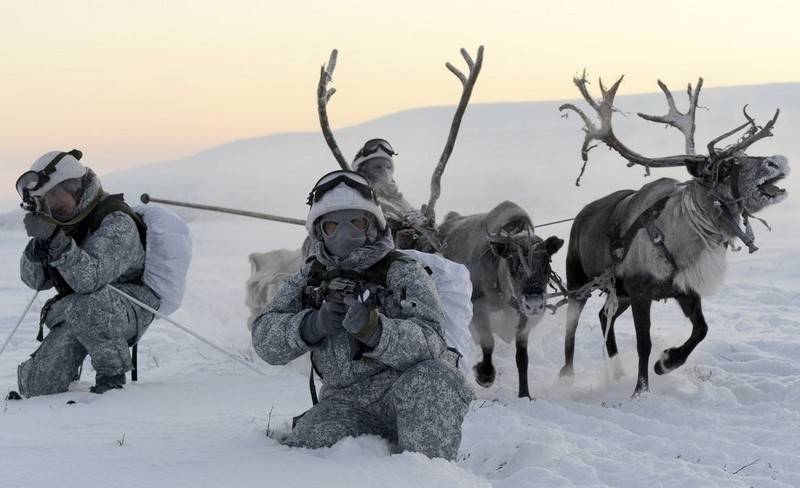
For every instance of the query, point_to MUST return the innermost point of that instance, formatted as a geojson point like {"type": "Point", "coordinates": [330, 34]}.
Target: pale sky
{"type": "Point", "coordinates": [136, 82]}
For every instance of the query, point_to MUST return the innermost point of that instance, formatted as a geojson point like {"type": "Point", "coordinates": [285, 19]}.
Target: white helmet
{"type": "Point", "coordinates": [374, 148]}
{"type": "Point", "coordinates": [342, 190]}
{"type": "Point", "coordinates": [48, 171]}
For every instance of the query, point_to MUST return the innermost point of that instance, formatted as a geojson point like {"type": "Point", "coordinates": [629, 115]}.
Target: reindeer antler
{"type": "Point", "coordinates": [684, 122]}
{"type": "Point", "coordinates": [324, 94]}
{"type": "Point", "coordinates": [753, 134]}
{"type": "Point", "coordinates": [605, 133]}
{"type": "Point", "coordinates": [467, 83]}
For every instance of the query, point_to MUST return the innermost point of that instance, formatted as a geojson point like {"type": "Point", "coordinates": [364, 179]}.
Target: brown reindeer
{"type": "Point", "coordinates": [668, 239]}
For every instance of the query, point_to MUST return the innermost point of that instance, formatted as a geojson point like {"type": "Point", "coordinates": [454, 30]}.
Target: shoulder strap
{"type": "Point", "coordinates": [379, 271]}
{"type": "Point", "coordinates": [621, 243]}
{"type": "Point", "coordinates": [116, 203]}
{"type": "Point", "coordinates": [317, 274]}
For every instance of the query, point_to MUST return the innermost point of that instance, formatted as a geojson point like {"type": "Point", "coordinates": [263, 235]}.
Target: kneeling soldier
{"type": "Point", "coordinates": [371, 319]}
{"type": "Point", "coordinates": [82, 240]}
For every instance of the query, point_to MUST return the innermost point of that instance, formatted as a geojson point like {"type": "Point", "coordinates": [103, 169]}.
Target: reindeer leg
{"type": "Point", "coordinates": [522, 356]}
{"type": "Point", "coordinates": [574, 309]}
{"type": "Point", "coordinates": [610, 338]}
{"type": "Point", "coordinates": [641, 319]}
{"type": "Point", "coordinates": [484, 370]}
{"type": "Point", "coordinates": [674, 357]}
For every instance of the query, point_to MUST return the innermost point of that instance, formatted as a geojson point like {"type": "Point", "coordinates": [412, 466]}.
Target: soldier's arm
{"type": "Point", "coordinates": [276, 332]}
{"type": "Point", "coordinates": [106, 254]}
{"type": "Point", "coordinates": [32, 268]}
{"type": "Point", "coordinates": [416, 334]}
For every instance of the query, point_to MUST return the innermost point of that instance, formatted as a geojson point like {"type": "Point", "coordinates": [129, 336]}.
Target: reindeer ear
{"type": "Point", "coordinates": [696, 168]}
{"type": "Point", "coordinates": [553, 244]}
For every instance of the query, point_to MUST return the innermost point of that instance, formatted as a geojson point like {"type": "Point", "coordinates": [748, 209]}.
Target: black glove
{"type": "Point", "coordinates": [362, 322]}
{"type": "Point", "coordinates": [38, 227]}
{"type": "Point", "coordinates": [323, 322]}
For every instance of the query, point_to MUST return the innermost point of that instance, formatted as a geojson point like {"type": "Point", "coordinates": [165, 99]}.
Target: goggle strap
{"type": "Point", "coordinates": [43, 176]}
{"type": "Point", "coordinates": [323, 188]}
{"type": "Point", "coordinates": [51, 166]}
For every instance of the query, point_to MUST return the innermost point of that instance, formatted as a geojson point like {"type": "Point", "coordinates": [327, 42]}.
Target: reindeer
{"type": "Point", "coordinates": [669, 239]}
{"type": "Point", "coordinates": [509, 268]}
{"type": "Point", "coordinates": [412, 228]}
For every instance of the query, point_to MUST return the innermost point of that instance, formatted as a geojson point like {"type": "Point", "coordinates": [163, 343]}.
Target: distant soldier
{"type": "Point", "coordinates": [372, 320]}
{"type": "Point", "coordinates": [410, 228]}
{"type": "Point", "coordinates": [82, 239]}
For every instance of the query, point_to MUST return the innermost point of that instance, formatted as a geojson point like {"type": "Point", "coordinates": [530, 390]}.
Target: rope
{"type": "Point", "coordinates": [19, 322]}
{"type": "Point", "coordinates": [554, 222]}
{"type": "Point", "coordinates": [187, 330]}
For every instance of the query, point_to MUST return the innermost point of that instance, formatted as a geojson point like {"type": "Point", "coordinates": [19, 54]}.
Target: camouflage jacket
{"type": "Point", "coordinates": [112, 254]}
{"type": "Point", "coordinates": [408, 336]}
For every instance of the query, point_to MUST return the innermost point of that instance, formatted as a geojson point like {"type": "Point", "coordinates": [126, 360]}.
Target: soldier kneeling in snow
{"type": "Point", "coordinates": [82, 240]}
{"type": "Point", "coordinates": [372, 321]}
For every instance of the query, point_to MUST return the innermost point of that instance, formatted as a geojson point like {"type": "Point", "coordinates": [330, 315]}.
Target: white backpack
{"type": "Point", "coordinates": [168, 255]}
{"type": "Point", "coordinates": [455, 292]}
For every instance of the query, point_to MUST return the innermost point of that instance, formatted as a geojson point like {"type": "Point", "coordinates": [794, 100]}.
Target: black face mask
{"type": "Point", "coordinates": [378, 171]}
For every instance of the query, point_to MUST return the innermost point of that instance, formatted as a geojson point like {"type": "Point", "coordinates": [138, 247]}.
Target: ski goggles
{"type": "Point", "coordinates": [334, 179]}
{"type": "Point", "coordinates": [359, 224]}
{"type": "Point", "coordinates": [374, 145]}
{"type": "Point", "coordinates": [30, 181]}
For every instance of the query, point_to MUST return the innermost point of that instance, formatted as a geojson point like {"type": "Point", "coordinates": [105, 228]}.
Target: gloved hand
{"type": "Point", "coordinates": [38, 227]}
{"type": "Point", "coordinates": [362, 322]}
{"type": "Point", "coordinates": [323, 322]}
{"type": "Point", "coordinates": [59, 243]}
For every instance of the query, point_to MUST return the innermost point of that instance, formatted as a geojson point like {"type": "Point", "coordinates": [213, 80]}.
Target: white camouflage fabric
{"type": "Point", "coordinates": [402, 389]}
{"type": "Point", "coordinates": [92, 320]}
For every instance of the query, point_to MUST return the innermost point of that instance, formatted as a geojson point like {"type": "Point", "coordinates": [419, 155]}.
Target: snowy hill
{"type": "Point", "coordinates": [523, 150]}
{"type": "Point", "coordinates": [729, 417]}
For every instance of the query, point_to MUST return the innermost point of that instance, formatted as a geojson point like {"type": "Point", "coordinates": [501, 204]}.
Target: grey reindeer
{"type": "Point", "coordinates": [509, 267]}
{"type": "Point", "coordinates": [669, 239]}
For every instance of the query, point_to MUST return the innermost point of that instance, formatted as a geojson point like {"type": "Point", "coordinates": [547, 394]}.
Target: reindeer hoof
{"type": "Point", "coordinates": [666, 363]}
{"type": "Point", "coordinates": [484, 375]}
{"type": "Point", "coordinates": [641, 387]}
{"type": "Point", "coordinates": [566, 372]}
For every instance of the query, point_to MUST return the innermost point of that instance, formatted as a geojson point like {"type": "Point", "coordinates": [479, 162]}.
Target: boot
{"type": "Point", "coordinates": [13, 395]}
{"type": "Point", "coordinates": [104, 383]}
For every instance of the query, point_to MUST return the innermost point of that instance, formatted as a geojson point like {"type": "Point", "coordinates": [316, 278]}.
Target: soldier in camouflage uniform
{"type": "Point", "coordinates": [383, 367]}
{"type": "Point", "coordinates": [82, 240]}
{"type": "Point", "coordinates": [410, 228]}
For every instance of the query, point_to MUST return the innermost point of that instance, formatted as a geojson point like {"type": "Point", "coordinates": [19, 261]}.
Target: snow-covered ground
{"type": "Point", "coordinates": [198, 419]}
{"type": "Point", "coordinates": [729, 417]}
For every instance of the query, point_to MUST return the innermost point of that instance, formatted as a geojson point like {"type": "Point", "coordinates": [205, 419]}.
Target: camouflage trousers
{"type": "Point", "coordinates": [421, 411]}
{"type": "Point", "coordinates": [100, 324]}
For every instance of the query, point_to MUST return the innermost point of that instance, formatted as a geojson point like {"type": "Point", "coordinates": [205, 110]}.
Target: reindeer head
{"type": "Point", "coordinates": [743, 184]}
{"type": "Point", "coordinates": [528, 259]}
{"type": "Point", "coordinates": [749, 181]}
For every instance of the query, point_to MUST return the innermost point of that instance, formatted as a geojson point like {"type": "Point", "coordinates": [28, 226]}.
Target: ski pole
{"type": "Point", "coordinates": [145, 198]}
{"type": "Point", "coordinates": [185, 329]}
{"type": "Point", "coordinates": [19, 322]}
